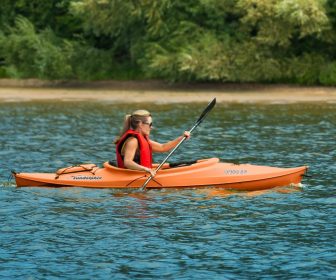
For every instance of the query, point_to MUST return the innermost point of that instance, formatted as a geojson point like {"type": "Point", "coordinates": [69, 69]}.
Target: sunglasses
{"type": "Point", "coordinates": [149, 124]}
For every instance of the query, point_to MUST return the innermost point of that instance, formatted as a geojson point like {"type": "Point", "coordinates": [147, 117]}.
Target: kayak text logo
{"type": "Point", "coordinates": [90, 178]}
{"type": "Point", "coordinates": [235, 171]}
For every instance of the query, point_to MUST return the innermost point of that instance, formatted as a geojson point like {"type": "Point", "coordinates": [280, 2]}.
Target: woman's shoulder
{"type": "Point", "coordinates": [131, 141]}
{"type": "Point", "coordinates": [129, 144]}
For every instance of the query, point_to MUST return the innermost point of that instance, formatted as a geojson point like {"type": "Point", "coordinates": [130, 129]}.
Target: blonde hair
{"type": "Point", "coordinates": [132, 121]}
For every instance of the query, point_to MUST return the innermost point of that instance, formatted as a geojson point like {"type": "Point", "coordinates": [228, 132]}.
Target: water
{"type": "Point", "coordinates": [286, 233]}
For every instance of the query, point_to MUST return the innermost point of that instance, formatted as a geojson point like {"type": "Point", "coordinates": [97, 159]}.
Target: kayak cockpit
{"type": "Point", "coordinates": [182, 166]}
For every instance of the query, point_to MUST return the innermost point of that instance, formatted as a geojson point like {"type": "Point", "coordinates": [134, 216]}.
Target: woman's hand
{"type": "Point", "coordinates": [151, 171]}
{"type": "Point", "coordinates": [186, 134]}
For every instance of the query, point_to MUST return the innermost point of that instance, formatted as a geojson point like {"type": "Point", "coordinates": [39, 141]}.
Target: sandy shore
{"type": "Point", "coordinates": [159, 92]}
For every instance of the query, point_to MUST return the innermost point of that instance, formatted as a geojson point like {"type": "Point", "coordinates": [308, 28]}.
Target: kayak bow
{"type": "Point", "coordinates": [200, 174]}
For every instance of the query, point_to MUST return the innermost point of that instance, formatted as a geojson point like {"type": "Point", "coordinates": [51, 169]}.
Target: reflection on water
{"type": "Point", "coordinates": [214, 192]}
{"type": "Point", "coordinates": [77, 233]}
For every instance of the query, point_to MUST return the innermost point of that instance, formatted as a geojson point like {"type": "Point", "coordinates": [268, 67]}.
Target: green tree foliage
{"type": "Point", "coordinates": [29, 53]}
{"type": "Point", "coordinates": [277, 22]}
{"type": "Point", "coordinates": [44, 55]}
{"type": "Point", "coordinates": [192, 40]}
{"type": "Point", "coordinates": [54, 14]}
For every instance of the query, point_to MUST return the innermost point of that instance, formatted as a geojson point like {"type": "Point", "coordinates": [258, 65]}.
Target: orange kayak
{"type": "Point", "coordinates": [202, 173]}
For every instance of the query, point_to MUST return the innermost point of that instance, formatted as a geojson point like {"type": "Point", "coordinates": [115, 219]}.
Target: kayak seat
{"type": "Point", "coordinates": [113, 163]}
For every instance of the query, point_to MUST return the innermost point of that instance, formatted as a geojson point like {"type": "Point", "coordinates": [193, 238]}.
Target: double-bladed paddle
{"type": "Point", "coordinates": [200, 119]}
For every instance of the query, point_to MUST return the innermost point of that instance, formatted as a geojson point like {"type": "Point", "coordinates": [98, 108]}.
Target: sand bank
{"type": "Point", "coordinates": [159, 92]}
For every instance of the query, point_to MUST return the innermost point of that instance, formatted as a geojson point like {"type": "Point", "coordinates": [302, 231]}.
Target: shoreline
{"type": "Point", "coordinates": [160, 92]}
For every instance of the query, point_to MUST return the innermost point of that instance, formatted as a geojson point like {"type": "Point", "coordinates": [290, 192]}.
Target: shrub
{"type": "Point", "coordinates": [328, 74]}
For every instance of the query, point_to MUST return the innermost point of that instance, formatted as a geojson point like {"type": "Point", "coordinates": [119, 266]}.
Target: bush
{"type": "Point", "coordinates": [328, 74]}
{"type": "Point", "coordinates": [30, 54]}
{"type": "Point", "coordinates": [305, 69]}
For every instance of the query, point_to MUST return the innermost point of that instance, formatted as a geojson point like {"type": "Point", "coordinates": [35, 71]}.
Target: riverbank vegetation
{"type": "Point", "coordinates": [274, 41]}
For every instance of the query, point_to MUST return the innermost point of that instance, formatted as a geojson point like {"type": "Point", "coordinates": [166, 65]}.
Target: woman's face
{"type": "Point", "coordinates": [146, 126]}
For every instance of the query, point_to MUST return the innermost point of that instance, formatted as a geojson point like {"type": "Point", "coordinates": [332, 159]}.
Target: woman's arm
{"type": "Point", "coordinates": [130, 148]}
{"type": "Point", "coordinates": [162, 148]}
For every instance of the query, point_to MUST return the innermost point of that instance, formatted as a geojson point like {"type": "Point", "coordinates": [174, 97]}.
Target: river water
{"type": "Point", "coordinates": [75, 233]}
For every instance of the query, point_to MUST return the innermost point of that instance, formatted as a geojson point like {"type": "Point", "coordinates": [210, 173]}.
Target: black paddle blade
{"type": "Point", "coordinates": [206, 110]}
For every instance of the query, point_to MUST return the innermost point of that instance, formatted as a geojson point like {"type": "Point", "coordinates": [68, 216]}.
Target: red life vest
{"type": "Point", "coordinates": [144, 147]}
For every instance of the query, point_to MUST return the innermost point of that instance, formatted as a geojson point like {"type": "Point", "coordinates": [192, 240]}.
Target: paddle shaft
{"type": "Point", "coordinates": [209, 107]}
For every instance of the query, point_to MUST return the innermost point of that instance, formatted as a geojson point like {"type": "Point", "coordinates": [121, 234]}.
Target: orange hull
{"type": "Point", "coordinates": [204, 173]}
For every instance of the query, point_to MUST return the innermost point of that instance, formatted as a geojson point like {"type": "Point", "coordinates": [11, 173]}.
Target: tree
{"type": "Point", "coordinates": [191, 40]}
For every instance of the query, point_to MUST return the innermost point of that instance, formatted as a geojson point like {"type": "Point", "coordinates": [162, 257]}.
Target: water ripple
{"type": "Point", "coordinates": [285, 233]}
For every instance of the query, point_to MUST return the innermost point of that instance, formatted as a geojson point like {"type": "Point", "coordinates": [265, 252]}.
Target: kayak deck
{"type": "Point", "coordinates": [203, 173]}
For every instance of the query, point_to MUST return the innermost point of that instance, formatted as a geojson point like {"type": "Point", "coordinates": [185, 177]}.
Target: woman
{"type": "Point", "coordinates": [134, 148]}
